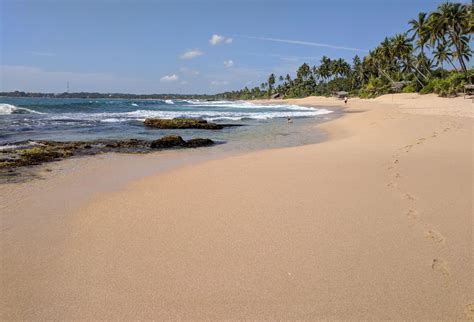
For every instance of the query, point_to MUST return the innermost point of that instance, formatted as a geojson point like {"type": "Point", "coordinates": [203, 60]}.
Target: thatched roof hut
{"type": "Point", "coordinates": [398, 86]}
{"type": "Point", "coordinates": [341, 94]}
{"type": "Point", "coordinates": [468, 90]}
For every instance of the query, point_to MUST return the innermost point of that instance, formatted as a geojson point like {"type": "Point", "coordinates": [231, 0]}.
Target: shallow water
{"type": "Point", "coordinates": [83, 119]}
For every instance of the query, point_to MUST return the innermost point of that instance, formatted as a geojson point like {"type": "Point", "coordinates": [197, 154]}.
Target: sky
{"type": "Point", "coordinates": [184, 47]}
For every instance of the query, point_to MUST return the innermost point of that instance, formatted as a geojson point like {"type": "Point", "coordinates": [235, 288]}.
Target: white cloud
{"type": "Point", "coordinates": [228, 63]}
{"type": "Point", "coordinates": [183, 83]}
{"type": "Point", "coordinates": [40, 53]}
{"type": "Point", "coordinates": [219, 83]}
{"type": "Point", "coordinates": [192, 53]}
{"type": "Point", "coordinates": [169, 78]}
{"type": "Point", "coordinates": [306, 43]}
{"type": "Point", "coordinates": [217, 39]}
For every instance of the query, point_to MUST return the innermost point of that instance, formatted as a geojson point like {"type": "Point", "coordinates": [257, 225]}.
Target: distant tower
{"type": "Point", "coordinates": [68, 87]}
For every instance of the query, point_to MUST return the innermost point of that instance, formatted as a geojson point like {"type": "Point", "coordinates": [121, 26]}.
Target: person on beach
{"type": "Point", "coordinates": [290, 120]}
{"type": "Point", "coordinates": [345, 99]}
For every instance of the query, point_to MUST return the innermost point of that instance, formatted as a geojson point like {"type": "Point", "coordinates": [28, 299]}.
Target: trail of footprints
{"type": "Point", "coordinates": [412, 215]}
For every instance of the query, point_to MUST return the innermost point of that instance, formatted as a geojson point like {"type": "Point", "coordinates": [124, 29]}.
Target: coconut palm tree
{"type": "Point", "coordinates": [452, 22]}
{"type": "Point", "coordinates": [384, 54]}
{"type": "Point", "coordinates": [303, 72]}
{"type": "Point", "coordinates": [401, 47]}
{"type": "Point", "coordinates": [325, 68]}
{"type": "Point", "coordinates": [442, 54]}
{"type": "Point", "coordinates": [420, 31]}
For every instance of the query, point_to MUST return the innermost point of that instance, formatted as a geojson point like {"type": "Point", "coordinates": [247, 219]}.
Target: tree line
{"type": "Point", "coordinates": [431, 56]}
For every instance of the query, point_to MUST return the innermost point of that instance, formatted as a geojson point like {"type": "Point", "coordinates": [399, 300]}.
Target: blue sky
{"type": "Point", "coordinates": [146, 46]}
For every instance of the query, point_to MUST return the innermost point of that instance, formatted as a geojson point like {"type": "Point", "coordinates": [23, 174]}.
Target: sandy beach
{"type": "Point", "coordinates": [374, 223]}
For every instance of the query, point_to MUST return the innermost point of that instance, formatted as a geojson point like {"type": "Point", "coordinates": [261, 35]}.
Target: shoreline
{"type": "Point", "coordinates": [336, 243]}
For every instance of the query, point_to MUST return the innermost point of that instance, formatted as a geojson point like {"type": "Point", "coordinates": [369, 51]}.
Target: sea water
{"type": "Point", "coordinates": [263, 126]}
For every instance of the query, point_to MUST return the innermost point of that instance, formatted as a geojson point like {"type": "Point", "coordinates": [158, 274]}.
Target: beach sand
{"type": "Point", "coordinates": [374, 223]}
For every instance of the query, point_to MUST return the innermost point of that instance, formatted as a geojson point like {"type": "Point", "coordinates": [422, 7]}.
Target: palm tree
{"type": "Point", "coordinates": [442, 54]}
{"type": "Point", "coordinates": [340, 67]}
{"type": "Point", "coordinates": [452, 21]}
{"type": "Point", "coordinates": [303, 72]}
{"type": "Point", "coordinates": [325, 68]}
{"type": "Point", "coordinates": [420, 31]}
{"type": "Point", "coordinates": [358, 71]}
{"type": "Point", "coordinates": [401, 47]}
{"type": "Point", "coordinates": [271, 82]}
{"type": "Point", "coordinates": [383, 55]}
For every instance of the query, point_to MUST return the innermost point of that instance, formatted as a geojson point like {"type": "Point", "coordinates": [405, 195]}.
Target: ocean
{"type": "Point", "coordinates": [84, 119]}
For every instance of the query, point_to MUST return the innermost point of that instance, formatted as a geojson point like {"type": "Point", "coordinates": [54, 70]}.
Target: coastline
{"type": "Point", "coordinates": [357, 226]}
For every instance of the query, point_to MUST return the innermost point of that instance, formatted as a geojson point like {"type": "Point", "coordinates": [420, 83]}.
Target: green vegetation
{"type": "Point", "coordinates": [417, 58]}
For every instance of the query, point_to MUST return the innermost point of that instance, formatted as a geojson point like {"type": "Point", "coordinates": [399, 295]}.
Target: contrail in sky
{"type": "Point", "coordinates": [304, 43]}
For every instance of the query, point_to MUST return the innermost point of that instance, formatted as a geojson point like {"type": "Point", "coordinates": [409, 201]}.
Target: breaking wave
{"type": "Point", "coordinates": [6, 109]}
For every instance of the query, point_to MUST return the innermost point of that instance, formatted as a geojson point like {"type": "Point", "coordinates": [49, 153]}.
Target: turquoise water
{"type": "Point", "coordinates": [83, 119]}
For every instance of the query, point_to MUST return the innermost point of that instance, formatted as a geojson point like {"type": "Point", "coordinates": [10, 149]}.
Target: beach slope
{"type": "Point", "coordinates": [375, 223]}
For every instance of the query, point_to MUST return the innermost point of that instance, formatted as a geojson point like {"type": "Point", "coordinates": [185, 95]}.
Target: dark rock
{"type": "Point", "coordinates": [182, 123]}
{"type": "Point", "coordinates": [169, 141]}
{"type": "Point", "coordinates": [198, 142]}
{"type": "Point", "coordinates": [29, 153]}
{"type": "Point", "coordinates": [131, 143]}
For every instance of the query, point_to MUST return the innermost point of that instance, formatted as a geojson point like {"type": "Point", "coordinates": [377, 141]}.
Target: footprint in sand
{"type": "Point", "coordinates": [446, 129]}
{"type": "Point", "coordinates": [396, 161]}
{"type": "Point", "coordinates": [469, 311]}
{"type": "Point", "coordinates": [408, 148]}
{"type": "Point", "coordinates": [435, 134]}
{"type": "Point", "coordinates": [435, 236]}
{"type": "Point", "coordinates": [409, 197]}
{"type": "Point", "coordinates": [412, 214]}
{"type": "Point", "coordinates": [397, 175]}
{"type": "Point", "coordinates": [440, 266]}
{"type": "Point", "coordinates": [392, 185]}
{"type": "Point", "coordinates": [421, 141]}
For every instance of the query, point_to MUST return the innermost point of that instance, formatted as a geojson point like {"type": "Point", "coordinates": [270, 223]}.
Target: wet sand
{"type": "Point", "coordinates": [375, 223]}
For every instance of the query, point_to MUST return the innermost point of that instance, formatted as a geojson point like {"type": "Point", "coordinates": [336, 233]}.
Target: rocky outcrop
{"type": "Point", "coordinates": [172, 141]}
{"type": "Point", "coordinates": [167, 142]}
{"type": "Point", "coordinates": [182, 123]}
{"type": "Point", "coordinates": [196, 143]}
{"type": "Point", "coordinates": [28, 153]}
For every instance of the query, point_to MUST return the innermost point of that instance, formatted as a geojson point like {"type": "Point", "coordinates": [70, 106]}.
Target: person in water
{"type": "Point", "coordinates": [290, 120]}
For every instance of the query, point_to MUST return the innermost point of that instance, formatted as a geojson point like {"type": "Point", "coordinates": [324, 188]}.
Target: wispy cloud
{"type": "Point", "coordinates": [169, 78]}
{"type": "Point", "coordinates": [192, 53]}
{"type": "Point", "coordinates": [228, 63]}
{"type": "Point", "coordinates": [219, 83]}
{"type": "Point", "coordinates": [40, 53]}
{"type": "Point", "coordinates": [304, 43]}
{"type": "Point", "coordinates": [287, 58]}
{"type": "Point", "coordinates": [217, 39]}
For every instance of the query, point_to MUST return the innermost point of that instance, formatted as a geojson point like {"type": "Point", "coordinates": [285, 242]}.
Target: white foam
{"type": "Point", "coordinates": [6, 109]}
{"type": "Point", "coordinates": [169, 102]}
{"type": "Point", "coordinates": [134, 104]}
{"type": "Point", "coordinates": [244, 104]}
{"type": "Point", "coordinates": [8, 147]}
{"type": "Point", "coordinates": [140, 115]}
